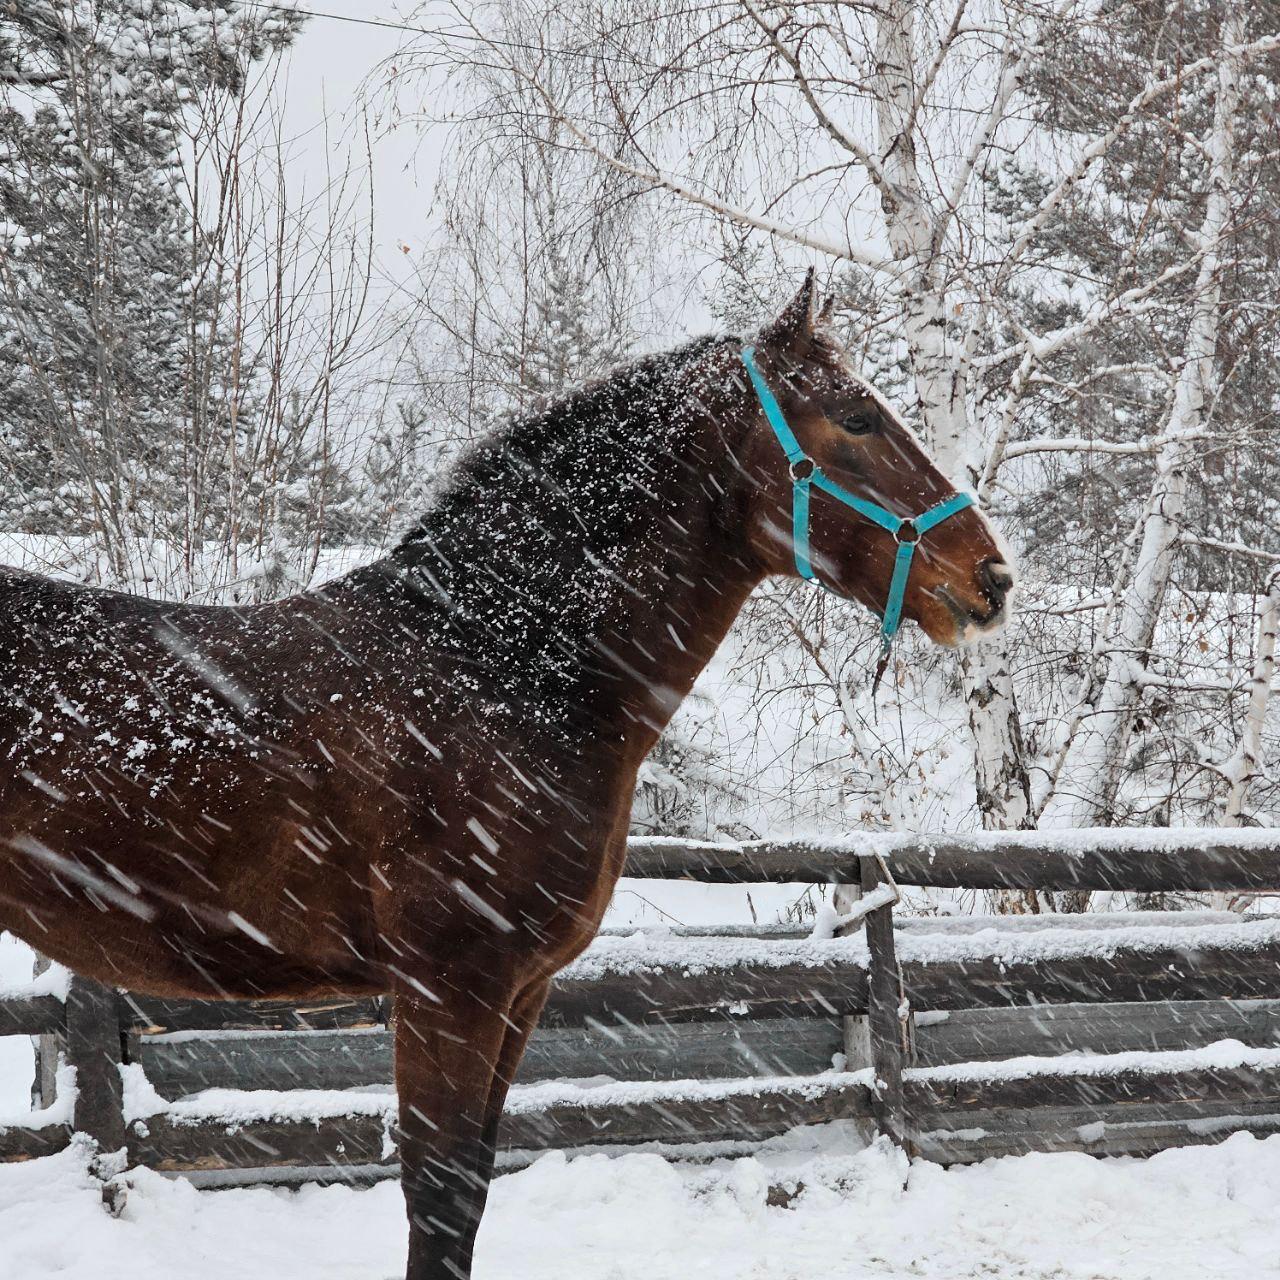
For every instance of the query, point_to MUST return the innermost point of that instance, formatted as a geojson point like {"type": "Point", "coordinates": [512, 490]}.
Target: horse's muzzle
{"type": "Point", "coordinates": [995, 578]}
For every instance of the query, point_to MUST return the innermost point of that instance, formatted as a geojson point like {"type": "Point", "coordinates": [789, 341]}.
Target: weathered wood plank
{"type": "Point", "coordinates": [742, 1116]}
{"type": "Point", "coordinates": [32, 1144]}
{"type": "Point", "coordinates": [94, 1049]}
{"type": "Point", "coordinates": [1075, 1086]}
{"type": "Point", "coordinates": [762, 1113]}
{"type": "Point", "coordinates": [1150, 860]}
{"type": "Point", "coordinates": [1087, 921]}
{"type": "Point", "coordinates": [1210, 1115]}
{"type": "Point", "coordinates": [693, 1051]}
{"type": "Point", "coordinates": [139, 1012]}
{"type": "Point", "coordinates": [981, 1035]}
{"type": "Point", "coordinates": [162, 1144]}
{"type": "Point", "coordinates": [1126, 974]}
{"type": "Point", "coordinates": [663, 995]}
{"type": "Point", "coordinates": [884, 1011]}
{"type": "Point", "coordinates": [1135, 1130]}
{"type": "Point", "coordinates": [1094, 921]}
{"type": "Point", "coordinates": [188, 1062]}
{"type": "Point", "coordinates": [745, 990]}
{"type": "Point", "coordinates": [30, 1015]}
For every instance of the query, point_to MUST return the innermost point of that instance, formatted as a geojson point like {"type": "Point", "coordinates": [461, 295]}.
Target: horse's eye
{"type": "Point", "coordinates": [858, 424]}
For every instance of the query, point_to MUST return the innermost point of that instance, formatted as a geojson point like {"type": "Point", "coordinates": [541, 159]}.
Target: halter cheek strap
{"type": "Point", "coordinates": [806, 476]}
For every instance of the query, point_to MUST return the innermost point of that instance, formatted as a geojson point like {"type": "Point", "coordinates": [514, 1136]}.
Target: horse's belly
{"type": "Point", "coordinates": [168, 957]}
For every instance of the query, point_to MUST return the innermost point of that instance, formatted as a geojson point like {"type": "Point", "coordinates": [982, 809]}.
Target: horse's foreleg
{"type": "Point", "coordinates": [521, 1020]}
{"type": "Point", "coordinates": [446, 1057]}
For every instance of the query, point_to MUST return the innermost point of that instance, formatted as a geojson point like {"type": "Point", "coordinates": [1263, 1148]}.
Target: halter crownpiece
{"type": "Point", "coordinates": [806, 475]}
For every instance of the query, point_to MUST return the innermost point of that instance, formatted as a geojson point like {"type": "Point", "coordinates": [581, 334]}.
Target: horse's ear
{"type": "Point", "coordinates": [793, 329]}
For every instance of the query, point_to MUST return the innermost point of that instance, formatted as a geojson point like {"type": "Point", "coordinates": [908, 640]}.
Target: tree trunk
{"type": "Point", "coordinates": [1245, 765]}
{"type": "Point", "coordinates": [1092, 765]}
{"type": "Point", "coordinates": [999, 759]}
{"type": "Point", "coordinates": [940, 371]}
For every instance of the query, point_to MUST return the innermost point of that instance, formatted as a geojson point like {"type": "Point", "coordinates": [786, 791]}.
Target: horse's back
{"type": "Point", "coordinates": [162, 761]}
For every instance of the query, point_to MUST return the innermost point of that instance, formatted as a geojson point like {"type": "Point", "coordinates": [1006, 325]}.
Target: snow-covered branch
{"type": "Point", "coordinates": [1234, 55]}
{"type": "Point", "coordinates": [1231, 548]}
{"type": "Point", "coordinates": [1082, 444]}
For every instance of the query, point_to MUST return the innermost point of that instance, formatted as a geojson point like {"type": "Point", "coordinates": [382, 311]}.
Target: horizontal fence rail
{"type": "Point", "coordinates": [727, 1035]}
{"type": "Point", "coordinates": [720, 1112]}
{"type": "Point", "coordinates": [664, 980]}
{"type": "Point", "coordinates": [30, 1015]}
{"type": "Point", "coordinates": [1150, 860]}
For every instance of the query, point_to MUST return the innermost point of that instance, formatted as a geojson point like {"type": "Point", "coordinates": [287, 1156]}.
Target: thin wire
{"type": "Point", "coordinates": [447, 33]}
{"type": "Point", "coordinates": [487, 41]}
{"type": "Point", "coordinates": [343, 17]}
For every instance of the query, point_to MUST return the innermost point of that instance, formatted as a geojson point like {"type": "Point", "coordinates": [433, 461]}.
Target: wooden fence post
{"type": "Point", "coordinates": [855, 1031]}
{"type": "Point", "coordinates": [93, 1048]}
{"type": "Point", "coordinates": [885, 1021]}
{"type": "Point", "coordinates": [49, 1048]}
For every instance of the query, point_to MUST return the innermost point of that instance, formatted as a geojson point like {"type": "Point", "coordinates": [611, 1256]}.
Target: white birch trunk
{"type": "Point", "coordinates": [912, 227]}
{"type": "Point", "coordinates": [1247, 760]}
{"type": "Point", "coordinates": [941, 374]}
{"type": "Point", "coordinates": [1091, 768]}
{"type": "Point", "coordinates": [1246, 763]}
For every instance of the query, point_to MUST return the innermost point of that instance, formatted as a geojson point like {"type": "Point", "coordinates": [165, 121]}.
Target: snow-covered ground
{"type": "Point", "coordinates": [1182, 1215]}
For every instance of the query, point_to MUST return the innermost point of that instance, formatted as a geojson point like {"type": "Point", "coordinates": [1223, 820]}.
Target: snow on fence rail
{"type": "Point", "coordinates": [686, 1011]}
{"type": "Point", "coordinates": [1148, 860]}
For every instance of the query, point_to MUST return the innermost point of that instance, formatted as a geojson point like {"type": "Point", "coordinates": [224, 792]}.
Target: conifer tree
{"type": "Point", "coordinates": [113, 396]}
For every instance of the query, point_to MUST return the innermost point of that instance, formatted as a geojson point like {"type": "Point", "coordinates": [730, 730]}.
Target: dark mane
{"type": "Point", "coordinates": [523, 441]}
{"type": "Point", "coordinates": [550, 529]}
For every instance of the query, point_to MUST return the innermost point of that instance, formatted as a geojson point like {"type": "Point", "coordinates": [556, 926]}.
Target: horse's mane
{"type": "Point", "coordinates": [596, 410]}
{"type": "Point", "coordinates": [546, 529]}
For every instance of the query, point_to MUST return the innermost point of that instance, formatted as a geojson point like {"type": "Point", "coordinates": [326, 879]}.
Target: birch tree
{"type": "Point", "coordinates": [1090, 769]}
{"type": "Point", "coordinates": [1244, 766]}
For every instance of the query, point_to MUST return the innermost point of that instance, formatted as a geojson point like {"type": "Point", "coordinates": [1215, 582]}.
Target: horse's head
{"type": "Point", "coordinates": [846, 439]}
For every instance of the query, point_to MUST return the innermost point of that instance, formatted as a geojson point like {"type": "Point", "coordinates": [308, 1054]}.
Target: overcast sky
{"type": "Point", "coordinates": [337, 72]}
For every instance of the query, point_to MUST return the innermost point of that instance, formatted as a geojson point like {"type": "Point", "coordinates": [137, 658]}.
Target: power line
{"type": "Point", "coordinates": [490, 41]}
{"type": "Point", "coordinates": [343, 17]}
{"type": "Point", "coordinates": [442, 32]}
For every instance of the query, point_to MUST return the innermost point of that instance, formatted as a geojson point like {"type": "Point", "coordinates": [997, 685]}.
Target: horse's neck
{"type": "Point", "coordinates": [670, 633]}
{"type": "Point", "coordinates": [601, 594]}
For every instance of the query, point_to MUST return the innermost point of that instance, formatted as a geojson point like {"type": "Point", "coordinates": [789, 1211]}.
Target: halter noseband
{"type": "Point", "coordinates": [806, 474]}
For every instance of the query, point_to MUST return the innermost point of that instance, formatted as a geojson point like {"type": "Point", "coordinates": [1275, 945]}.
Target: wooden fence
{"type": "Point", "coordinates": [959, 1037]}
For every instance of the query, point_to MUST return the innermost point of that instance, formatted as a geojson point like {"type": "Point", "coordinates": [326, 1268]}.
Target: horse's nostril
{"type": "Point", "coordinates": [996, 578]}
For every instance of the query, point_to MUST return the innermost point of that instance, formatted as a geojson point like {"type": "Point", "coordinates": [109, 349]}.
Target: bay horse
{"type": "Point", "coordinates": [417, 778]}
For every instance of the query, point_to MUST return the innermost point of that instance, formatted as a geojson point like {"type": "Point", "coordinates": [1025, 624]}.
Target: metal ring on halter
{"type": "Point", "coordinates": [907, 533]}
{"type": "Point", "coordinates": [803, 469]}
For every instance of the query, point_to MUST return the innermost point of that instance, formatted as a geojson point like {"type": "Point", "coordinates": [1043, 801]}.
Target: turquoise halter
{"type": "Point", "coordinates": [806, 475]}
